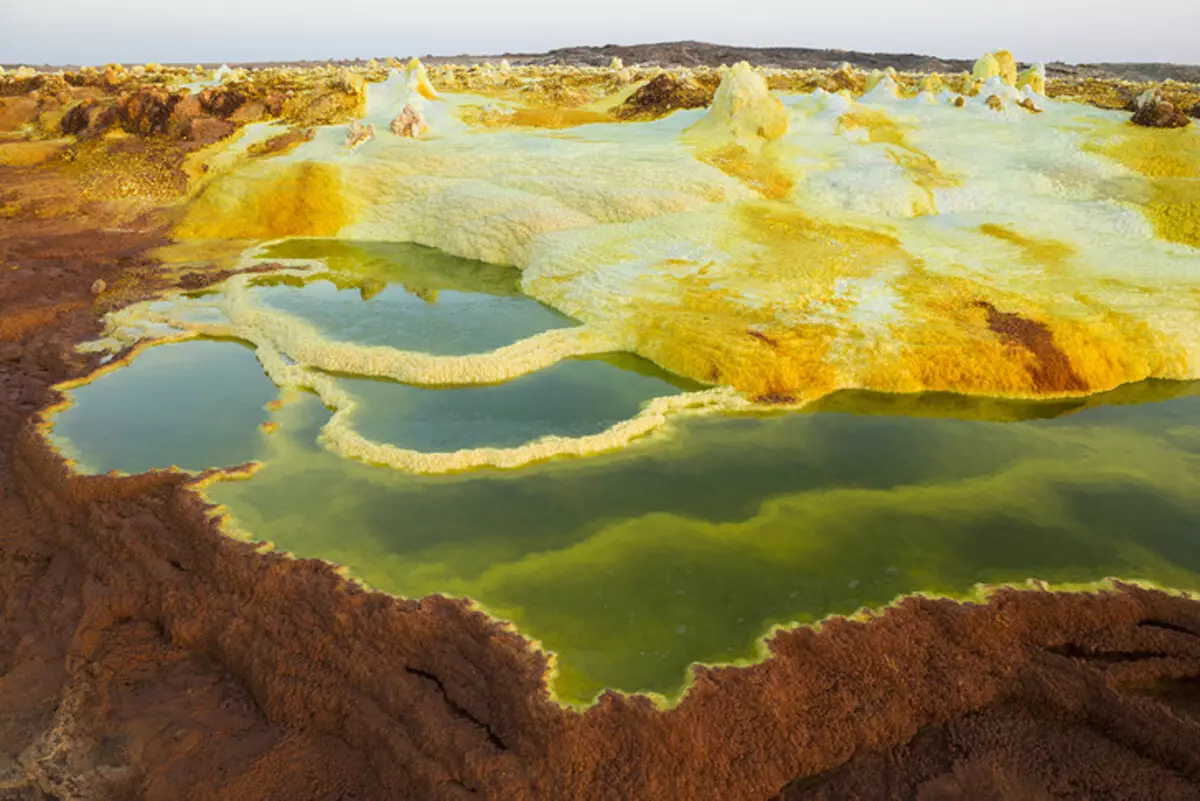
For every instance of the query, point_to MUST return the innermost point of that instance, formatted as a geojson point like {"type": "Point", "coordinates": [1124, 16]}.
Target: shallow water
{"type": "Point", "coordinates": [573, 398]}
{"type": "Point", "coordinates": [688, 545]}
{"type": "Point", "coordinates": [193, 406]}
{"type": "Point", "coordinates": [408, 297]}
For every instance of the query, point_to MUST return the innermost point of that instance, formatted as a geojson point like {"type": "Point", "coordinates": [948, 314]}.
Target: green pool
{"type": "Point", "coordinates": [687, 546]}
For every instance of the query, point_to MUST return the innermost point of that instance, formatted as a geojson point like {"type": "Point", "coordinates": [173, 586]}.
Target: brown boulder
{"type": "Point", "coordinates": [187, 109]}
{"type": "Point", "coordinates": [148, 111]}
{"type": "Point", "coordinates": [16, 112]}
{"type": "Point", "coordinates": [282, 143]}
{"type": "Point", "coordinates": [88, 118]}
{"type": "Point", "coordinates": [275, 101]}
{"type": "Point", "coordinates": [252, 111]}
{"type": "Point", "coordinates": [1152, 111]}
{"type": "Point", "coordinates": [206, 130]}
{"type": "Point", "coordinates": [221, 102]}
{"type": "Point", "coordinates": [663, 94]}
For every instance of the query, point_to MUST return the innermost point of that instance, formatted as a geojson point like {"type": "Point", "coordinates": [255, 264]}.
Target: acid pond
{"type": "Point", "coordinates": [686, 546]}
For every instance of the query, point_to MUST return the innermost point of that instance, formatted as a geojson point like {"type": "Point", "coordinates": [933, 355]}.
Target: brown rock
{"type": "Point", "coordinates": [252, 111]}
{"type": "Point", "coordinates": [98, 286]}
{"type": "Point", "coordinates": [409, 123]}
{"type": "Point", "coordinates": [88, 119]}
{"type": "Point", "coordinates": [16, 112]}
{"type": "Point", "coordinates": [205, 129]}
{"type": "Point", "coordinates": [662, 95]}
{"type": "Point", "coordinates": [282, 143]}
{"type": "Point", "coordinates": [1155, 112]}
{"type": "Point", "coordinates": [113, 77]}
{"type": "Point", "coordinates": [221, 102]}
{"type": "Point", "coordinates": [274, 102]}
{"type": "Point", "coordinates": [994, 103]}
{"type": "Point", "coordinates": [148, 111]}
{"type": "Point", "coordinates": [188, 108]}
{"type": "Point", "coordinates": [844, 77]}
{"type": "Point", "coordinates": [1028, 105]}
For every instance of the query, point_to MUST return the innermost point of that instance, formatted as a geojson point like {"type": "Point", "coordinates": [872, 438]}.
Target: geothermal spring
{"type": "Point", "coordinates": [649, 388]}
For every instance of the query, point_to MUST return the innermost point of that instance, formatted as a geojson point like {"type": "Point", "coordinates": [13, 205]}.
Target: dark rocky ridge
{"type": "Point", "coordinates": [695, 54]}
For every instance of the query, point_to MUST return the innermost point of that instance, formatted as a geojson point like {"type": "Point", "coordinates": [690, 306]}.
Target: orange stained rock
{"type": "Point", "coordinates": [964, 336]}
{"type": "Point", "coordinates": [302, 199]}
{"type": "Point", "coordinates": [708, 335]}
{"type": "Point", "coordinates": [776, 351]}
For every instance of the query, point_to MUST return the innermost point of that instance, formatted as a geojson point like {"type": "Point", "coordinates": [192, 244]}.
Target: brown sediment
{"type": "Point", "coordinates": [145, 654]}
{"type": "Point", "coordinates": [663, 94]}
{"type": "Point", "coordinates": [1028, 105]}
{"type": "Point", "coordinates": [1052, 370]}
{"type": "Point", "coordinates": [278, 145]}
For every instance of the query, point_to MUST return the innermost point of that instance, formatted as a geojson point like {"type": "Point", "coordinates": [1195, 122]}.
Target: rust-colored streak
{"type": "Point", "coordinates": [770, 342]}
{"type": "Point", "coordinates": [1052, 370]}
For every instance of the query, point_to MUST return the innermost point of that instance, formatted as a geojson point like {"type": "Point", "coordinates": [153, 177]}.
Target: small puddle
{"type": "Point", "coordinates": [573, 398]}
{"type": "Point", "coordinates": [406, 296]}
{"type": "Point", "coordinates": [192, 405]}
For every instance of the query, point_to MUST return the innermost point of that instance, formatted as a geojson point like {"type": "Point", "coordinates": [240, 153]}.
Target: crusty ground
{"type": "Point", "coordinates": [145, 655]}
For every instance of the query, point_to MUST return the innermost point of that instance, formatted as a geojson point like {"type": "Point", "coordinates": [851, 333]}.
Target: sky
{"type": "Point", "coordinates": [136, 31]}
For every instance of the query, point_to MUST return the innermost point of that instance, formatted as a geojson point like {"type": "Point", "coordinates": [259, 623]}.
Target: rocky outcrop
{"type": "Point", "coordinates": [357, 133]}
{"type": "Point", "coordinates": [282, 143]}
{"type": "Point", "coordinates": [742, 111]}
{"type": "Point", "coordinates": [206, 130]}
{"type": "Point", "coordinates": [221, 102]}
{"type": "Point", "coordinates": [89, 118]}
{"type": "Point", "coordinates": [1152, 111]}
{"type": "Point", "coordinates": [409, 123]}
{"type": "Point", "coordinates": [663, 94]}
{"type": "Point", "coordinates": [148, 111]}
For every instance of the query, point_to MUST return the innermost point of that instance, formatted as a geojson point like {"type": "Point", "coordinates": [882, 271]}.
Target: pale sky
{"type": "Point", "coordinates": [134, 31]}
